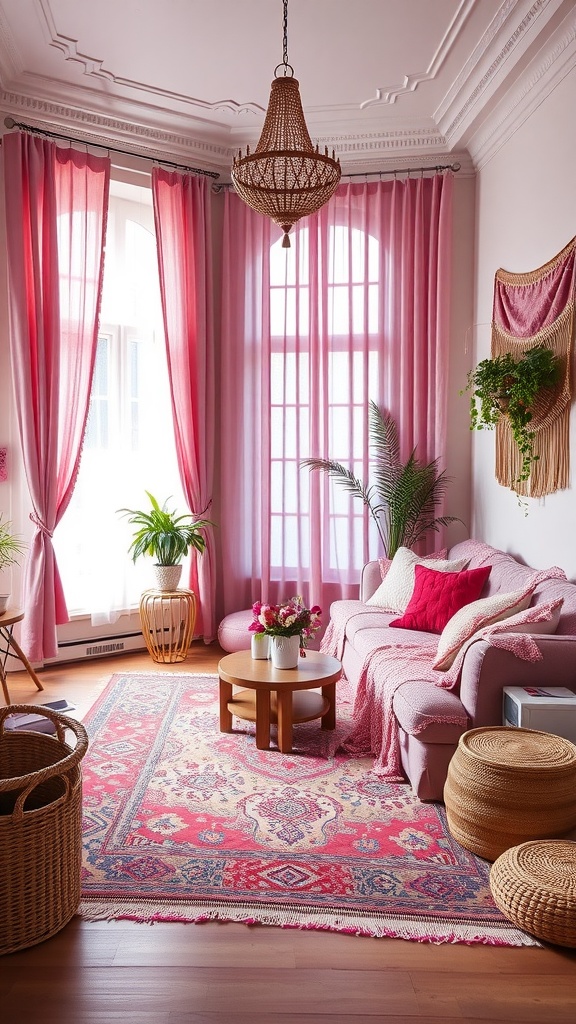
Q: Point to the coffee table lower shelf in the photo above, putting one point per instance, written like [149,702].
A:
[305,706]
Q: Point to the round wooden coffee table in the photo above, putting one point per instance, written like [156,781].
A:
[273,695]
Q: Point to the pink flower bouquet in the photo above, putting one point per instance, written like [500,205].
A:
[289,619]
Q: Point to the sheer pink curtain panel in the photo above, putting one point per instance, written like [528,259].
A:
[56,206]
[357,309]
[182,213]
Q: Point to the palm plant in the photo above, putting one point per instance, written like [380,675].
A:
[404,497]
[11,547]
[165,535]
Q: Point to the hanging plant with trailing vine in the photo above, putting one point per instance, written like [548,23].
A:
[505,386]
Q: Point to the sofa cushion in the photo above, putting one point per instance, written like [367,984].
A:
[437,596]
[396,588]
[429,712]
[366,641]
[474,617]
[367,618]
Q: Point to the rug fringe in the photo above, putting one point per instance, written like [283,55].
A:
[379,927]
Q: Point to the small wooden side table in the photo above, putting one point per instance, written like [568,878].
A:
[168,618]
[9,645]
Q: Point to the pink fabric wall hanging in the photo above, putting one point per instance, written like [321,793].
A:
[537,308]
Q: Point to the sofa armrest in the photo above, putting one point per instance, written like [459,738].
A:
[370,580]
[487,670]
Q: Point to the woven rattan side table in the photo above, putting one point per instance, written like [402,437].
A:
[534,885]
[168,618]
[506,786]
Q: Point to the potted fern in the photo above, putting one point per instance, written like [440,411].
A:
[505,386]
[404,497]
[11,550]
[166,536]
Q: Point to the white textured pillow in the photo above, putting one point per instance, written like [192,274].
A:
[541,618]
[396,588]
[475,616]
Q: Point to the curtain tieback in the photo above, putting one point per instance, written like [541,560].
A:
[41,526]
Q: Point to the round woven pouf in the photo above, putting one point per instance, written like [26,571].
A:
[534,885]
[506,786]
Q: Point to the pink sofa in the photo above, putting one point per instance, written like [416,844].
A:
[427,742]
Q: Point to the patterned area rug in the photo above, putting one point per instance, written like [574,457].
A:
[184,823]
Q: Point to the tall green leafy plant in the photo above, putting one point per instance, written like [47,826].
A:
[404,496]
[11,547]
[163,534]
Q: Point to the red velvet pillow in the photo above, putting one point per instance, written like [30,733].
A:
[437,596]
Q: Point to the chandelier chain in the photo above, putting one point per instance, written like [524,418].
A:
[285,37]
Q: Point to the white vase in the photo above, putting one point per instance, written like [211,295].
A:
[167,576]
[285,651]
[259,645]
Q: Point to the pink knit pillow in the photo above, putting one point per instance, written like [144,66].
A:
[477,616]
[437,596]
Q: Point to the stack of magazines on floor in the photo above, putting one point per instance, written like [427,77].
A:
[38,723]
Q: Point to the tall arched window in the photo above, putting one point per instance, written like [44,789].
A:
[129,441]
[325,349]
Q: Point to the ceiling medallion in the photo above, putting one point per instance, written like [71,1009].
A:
[286,177]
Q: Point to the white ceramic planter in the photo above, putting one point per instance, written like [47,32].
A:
[167,576]
[285,651]
[259,646]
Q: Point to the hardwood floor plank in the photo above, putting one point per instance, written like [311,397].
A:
[225,990]
[526,997]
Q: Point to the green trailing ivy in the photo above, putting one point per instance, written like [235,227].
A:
[505,386]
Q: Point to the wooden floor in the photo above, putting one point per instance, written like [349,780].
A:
[215,973]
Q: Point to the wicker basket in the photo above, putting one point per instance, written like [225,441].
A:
[534,885]
[40,828]
[506,786]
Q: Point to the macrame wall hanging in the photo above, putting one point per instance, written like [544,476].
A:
[531,309]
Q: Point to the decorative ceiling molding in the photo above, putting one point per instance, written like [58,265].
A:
[390,93]
[539,80]
[95,129]
[492,60]
[369,151]
[476,58]
[94,67]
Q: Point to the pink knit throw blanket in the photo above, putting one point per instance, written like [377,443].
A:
[375,729]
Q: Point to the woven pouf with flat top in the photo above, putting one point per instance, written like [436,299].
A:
[506,786]
[534,885]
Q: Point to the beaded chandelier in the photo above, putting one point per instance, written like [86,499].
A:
[286,177]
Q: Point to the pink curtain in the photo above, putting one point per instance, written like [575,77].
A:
[357,309]
[56,204]
[182,213]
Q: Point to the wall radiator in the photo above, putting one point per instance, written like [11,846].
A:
[79,650]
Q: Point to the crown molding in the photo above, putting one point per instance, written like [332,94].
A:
[99,130]
[358,152]
[388,94]
[93,67]
[494,65]
[538,81]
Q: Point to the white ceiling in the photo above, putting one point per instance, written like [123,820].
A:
[386,83]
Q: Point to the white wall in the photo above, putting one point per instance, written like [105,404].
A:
[526,213]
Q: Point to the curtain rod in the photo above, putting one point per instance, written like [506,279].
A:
[10,123]
[221,185]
